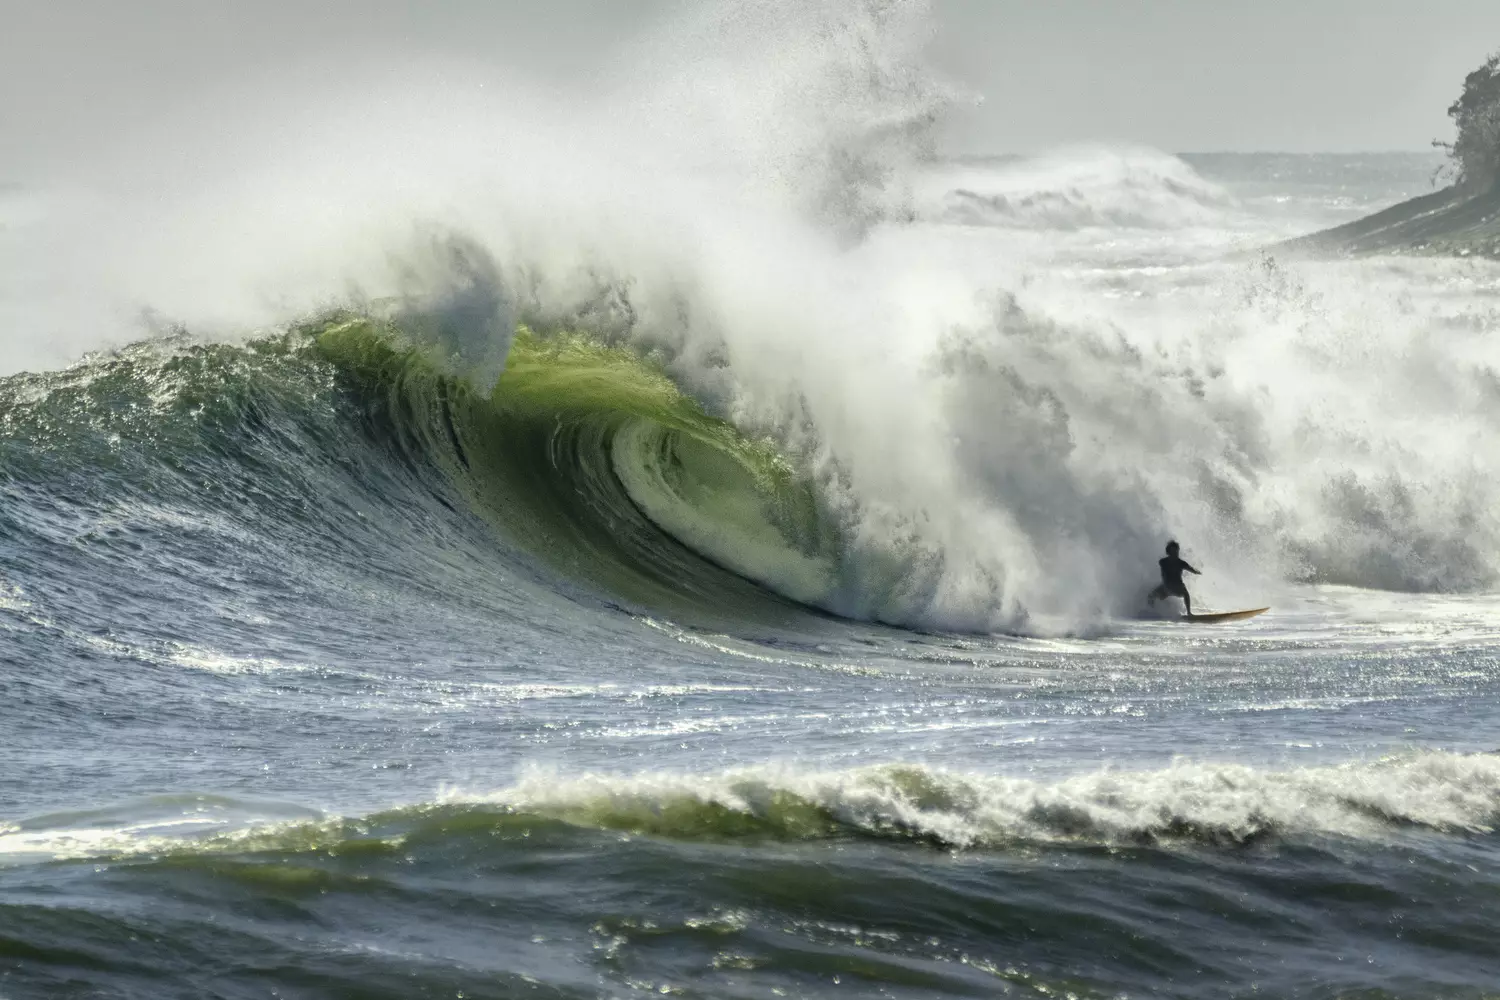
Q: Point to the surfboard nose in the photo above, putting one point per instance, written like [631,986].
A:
[1225,616]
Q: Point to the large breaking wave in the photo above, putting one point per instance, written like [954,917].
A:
[896,417]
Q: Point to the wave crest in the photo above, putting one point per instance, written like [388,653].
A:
[1214,805]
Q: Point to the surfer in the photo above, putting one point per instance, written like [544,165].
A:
[1171,578]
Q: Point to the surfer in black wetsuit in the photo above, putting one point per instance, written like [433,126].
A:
[1171,578]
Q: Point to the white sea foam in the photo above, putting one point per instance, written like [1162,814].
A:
[147,826]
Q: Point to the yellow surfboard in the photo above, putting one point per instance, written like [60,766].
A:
[1225,616]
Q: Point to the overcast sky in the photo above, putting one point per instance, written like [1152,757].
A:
[1180,75]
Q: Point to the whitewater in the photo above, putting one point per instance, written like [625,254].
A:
[690,536]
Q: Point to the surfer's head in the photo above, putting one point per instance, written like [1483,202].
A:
[1172,548]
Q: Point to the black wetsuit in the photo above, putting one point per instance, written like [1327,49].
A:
[1171,581]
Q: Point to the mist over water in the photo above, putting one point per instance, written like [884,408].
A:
[682,533]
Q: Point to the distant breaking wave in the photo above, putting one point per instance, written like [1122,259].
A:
[1073,189]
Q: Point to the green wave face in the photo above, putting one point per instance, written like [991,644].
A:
[588,458]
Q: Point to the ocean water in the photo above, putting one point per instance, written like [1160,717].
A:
[717,575]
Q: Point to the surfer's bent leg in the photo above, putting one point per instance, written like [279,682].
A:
[1175,589]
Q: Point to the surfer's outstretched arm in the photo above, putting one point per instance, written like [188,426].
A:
[1190,569]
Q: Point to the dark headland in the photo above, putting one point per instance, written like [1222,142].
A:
[1460,220]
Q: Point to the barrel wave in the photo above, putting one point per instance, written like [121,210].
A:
[588,460]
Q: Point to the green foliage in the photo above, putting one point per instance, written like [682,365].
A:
[1476,114]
